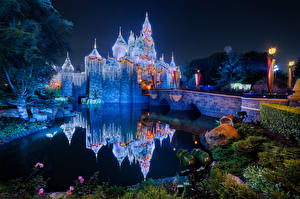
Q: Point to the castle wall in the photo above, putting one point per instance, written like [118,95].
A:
[111,87]
[95,69]
[126,82]
[67,84]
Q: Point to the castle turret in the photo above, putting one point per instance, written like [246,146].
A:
[120,47]
[94,67]
[131,41]
[67,77]
[67,67]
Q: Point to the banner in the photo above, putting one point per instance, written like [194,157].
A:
[271,75]
[290,83]
[197,79]
[268,69]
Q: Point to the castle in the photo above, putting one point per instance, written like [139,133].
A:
[126,77]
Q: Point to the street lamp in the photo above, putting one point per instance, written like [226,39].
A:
[270,70]
[291,70]
[272,51]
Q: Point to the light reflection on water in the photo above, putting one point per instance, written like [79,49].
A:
[125,143]
[138,147]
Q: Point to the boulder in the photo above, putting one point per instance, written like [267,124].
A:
[229,119]
[40,117]
[220,135]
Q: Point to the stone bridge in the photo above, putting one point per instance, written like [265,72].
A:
[210,104]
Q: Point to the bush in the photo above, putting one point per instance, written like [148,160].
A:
[230,161]
[148,190]
[250,146]
[281,119]
[248,129]
[226,187]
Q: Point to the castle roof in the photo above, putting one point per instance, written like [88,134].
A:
[95,52]
[67,66]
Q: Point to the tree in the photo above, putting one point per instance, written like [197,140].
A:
[297,71]
[32,35]
[230,71]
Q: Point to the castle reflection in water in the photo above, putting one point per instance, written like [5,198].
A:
[126,128]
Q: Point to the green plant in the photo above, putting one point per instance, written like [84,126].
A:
[26,187]
[225,187]
[248,129]
[230,161]
[281,119]
[249,146]
[148,190]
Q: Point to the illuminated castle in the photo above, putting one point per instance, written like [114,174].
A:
[124,78]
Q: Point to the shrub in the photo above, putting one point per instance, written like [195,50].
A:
[148,190]
[230,161]
[248,129]
[226,187]
[251,145]
[281,119]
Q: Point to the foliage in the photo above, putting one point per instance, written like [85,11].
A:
[242,115]
[248,129]
[208,67]
[230,71]
[225,187]
[297,71]
[249,146]
[25,187]
[148,190]
[14,126]
[281,119]
[230,161]
[32,35]
[84,188]
[277,174]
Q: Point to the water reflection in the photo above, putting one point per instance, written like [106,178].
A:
[127,129]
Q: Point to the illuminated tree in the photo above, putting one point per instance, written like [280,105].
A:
[32,35]
[230,71]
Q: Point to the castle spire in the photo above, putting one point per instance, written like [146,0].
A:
[120,31]
[95,44]
[68,57]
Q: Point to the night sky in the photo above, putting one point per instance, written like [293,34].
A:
[192,29]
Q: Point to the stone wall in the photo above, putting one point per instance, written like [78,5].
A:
[210,104]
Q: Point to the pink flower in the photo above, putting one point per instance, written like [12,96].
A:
[40,165]
[41,191]
[69,192]
[81,179]
[71,188]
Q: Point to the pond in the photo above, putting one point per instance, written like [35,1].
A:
[126,144]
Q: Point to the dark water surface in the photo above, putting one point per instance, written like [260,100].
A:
[124,143]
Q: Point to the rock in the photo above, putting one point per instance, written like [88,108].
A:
[220,135]
[235,178]
[40,117]
[229,119]
[9,113]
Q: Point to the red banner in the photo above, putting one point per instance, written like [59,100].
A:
[268,71]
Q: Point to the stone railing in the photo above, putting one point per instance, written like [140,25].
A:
[211,104]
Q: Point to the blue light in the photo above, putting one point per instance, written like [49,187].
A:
[276,68]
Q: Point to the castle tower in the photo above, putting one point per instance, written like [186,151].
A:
[67,77]
[120,47]
[131,41]
[149,48]
[94,67]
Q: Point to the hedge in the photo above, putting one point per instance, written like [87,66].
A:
[281,119]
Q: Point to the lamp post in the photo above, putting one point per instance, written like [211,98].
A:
[291,65]
[270,70]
